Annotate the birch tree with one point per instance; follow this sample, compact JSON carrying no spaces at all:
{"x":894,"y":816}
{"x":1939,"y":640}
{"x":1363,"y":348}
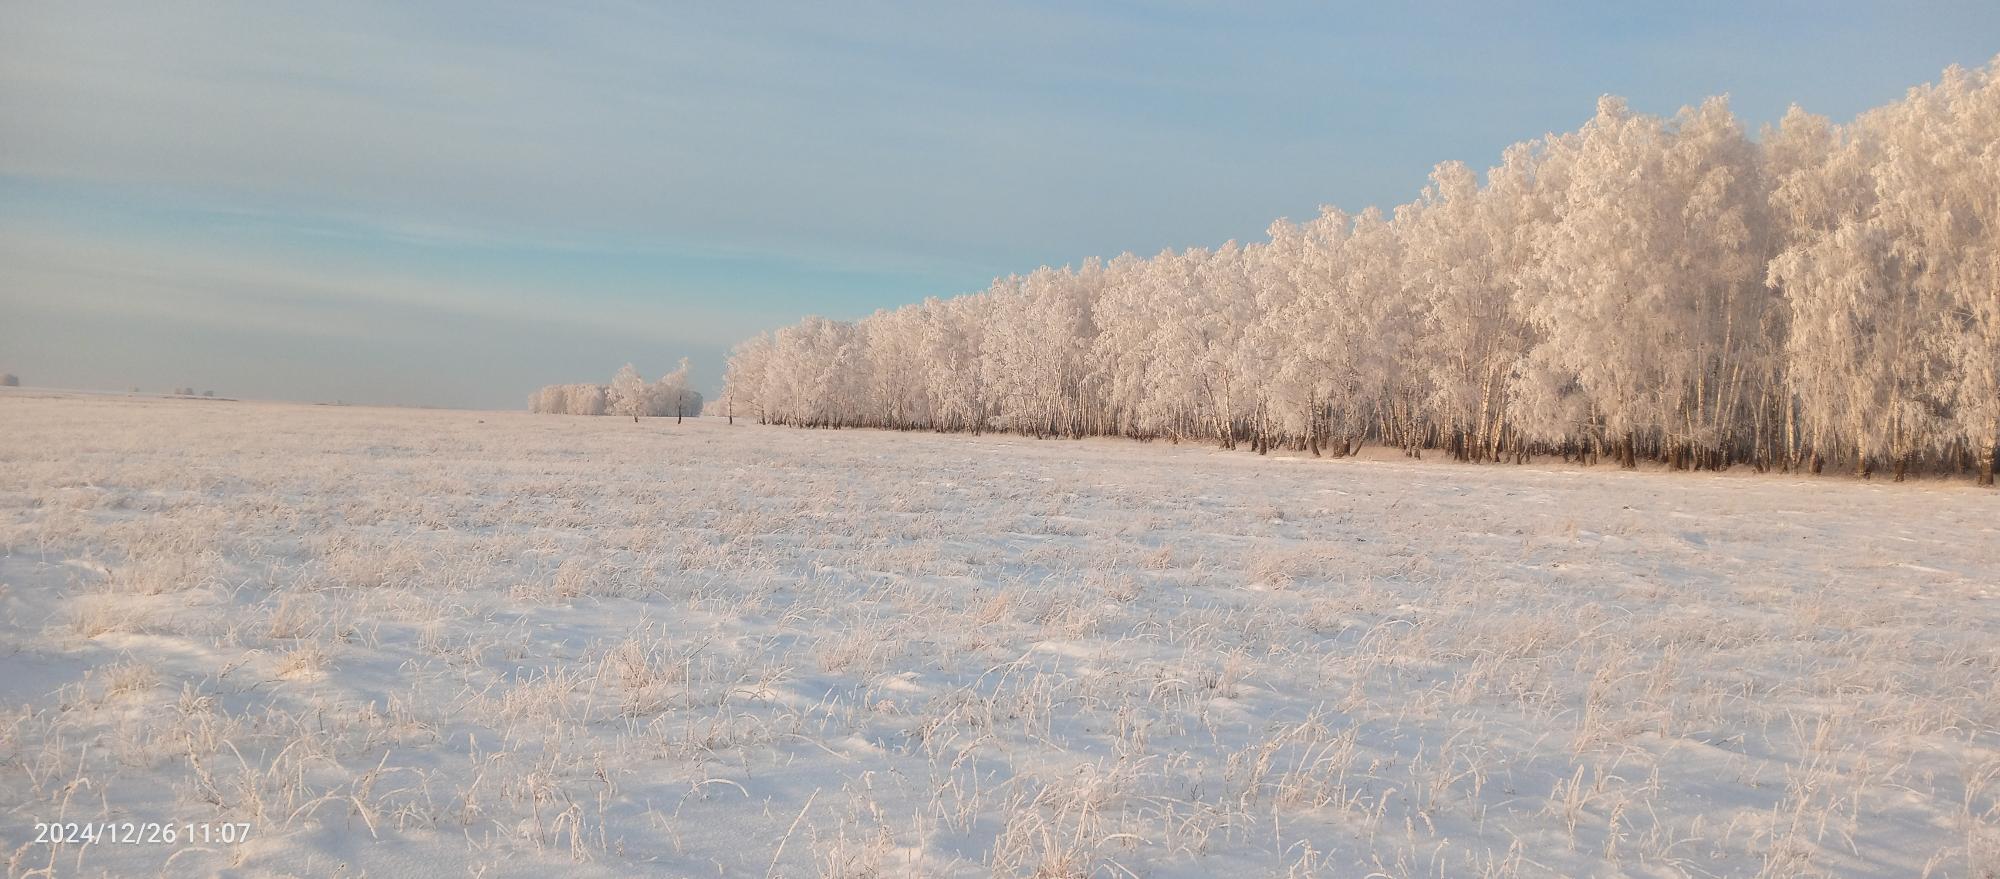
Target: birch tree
{"x":1650,"y":287}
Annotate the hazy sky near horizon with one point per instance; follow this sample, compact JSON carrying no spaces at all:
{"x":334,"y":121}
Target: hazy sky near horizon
{"x":452,"y":203}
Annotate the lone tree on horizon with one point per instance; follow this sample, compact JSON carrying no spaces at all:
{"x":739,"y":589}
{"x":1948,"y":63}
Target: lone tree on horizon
{"x":9,"y":380}
{"x":627,"y":395}
{"x":671,"y":392}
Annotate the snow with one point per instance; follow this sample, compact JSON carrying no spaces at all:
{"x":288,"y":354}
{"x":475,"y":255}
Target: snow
{"x":1644,"y":287}
{"x":407,"y":642}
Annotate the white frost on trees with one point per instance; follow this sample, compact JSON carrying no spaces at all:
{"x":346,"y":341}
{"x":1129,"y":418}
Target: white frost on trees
{"x":1646,"y":287}
{"x":629,"y":395}
{"x":575,"y":399}
{"x":672,"y":396}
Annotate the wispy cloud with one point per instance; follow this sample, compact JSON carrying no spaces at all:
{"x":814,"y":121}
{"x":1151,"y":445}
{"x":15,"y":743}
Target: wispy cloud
{"x":331,"y":169}
{"x":145,"y":281}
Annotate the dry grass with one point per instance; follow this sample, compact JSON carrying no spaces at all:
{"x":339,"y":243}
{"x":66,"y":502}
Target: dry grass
{"x":496,"y":644}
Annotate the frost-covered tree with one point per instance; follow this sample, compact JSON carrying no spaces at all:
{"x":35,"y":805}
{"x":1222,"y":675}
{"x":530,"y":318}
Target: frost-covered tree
{"x":813,"y":378}
{"x":743,"y":380}
{"x":898,"y":390}
{"x":1892,"y":274}
{"x":1377,"y":333}
{"x":1645,"y":290}
{"x":630,"y":394}
{"x":671,"y":395}
{"x":1649,"y":287}
{"x":574,"y":399}
{"x":588,"y":399}
{"x":953,"y":331}
{"x":1034,"y":361}
{"x":1461,"y":263}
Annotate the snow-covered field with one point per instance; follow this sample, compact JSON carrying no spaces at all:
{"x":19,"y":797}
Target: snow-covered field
{"x":495,"y":644}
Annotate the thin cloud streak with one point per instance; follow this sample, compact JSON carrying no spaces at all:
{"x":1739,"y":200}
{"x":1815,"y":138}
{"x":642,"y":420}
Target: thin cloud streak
{"x":716,"y":170}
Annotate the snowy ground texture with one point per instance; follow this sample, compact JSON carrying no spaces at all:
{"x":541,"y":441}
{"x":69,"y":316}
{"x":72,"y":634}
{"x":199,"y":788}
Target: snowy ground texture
{"x":495,"y":644}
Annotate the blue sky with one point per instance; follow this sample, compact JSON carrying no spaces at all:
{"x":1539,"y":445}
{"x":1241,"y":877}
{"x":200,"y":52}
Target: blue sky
{"x":449,"y":204}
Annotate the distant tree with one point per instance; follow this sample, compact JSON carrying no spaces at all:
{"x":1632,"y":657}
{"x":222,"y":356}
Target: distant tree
{"x":718,"y":408}
{"x":586,"y":399}
{"x":578,"y":399}
{"x":9,"y":380}
{"x":743,"y":382}
{"x":628,"y":394}
{"x":669,"y":395}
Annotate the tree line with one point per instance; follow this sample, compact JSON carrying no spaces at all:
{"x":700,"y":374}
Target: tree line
{"x":628,"y":394}
{"x":1643,"y":288}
